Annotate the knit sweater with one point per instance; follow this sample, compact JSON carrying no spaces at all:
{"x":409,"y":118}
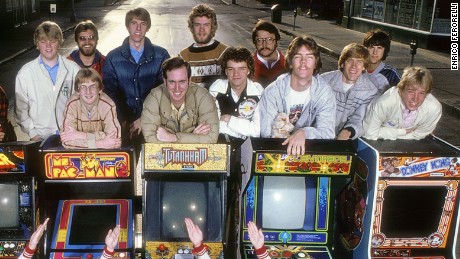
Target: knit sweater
{"x":205,"y":62}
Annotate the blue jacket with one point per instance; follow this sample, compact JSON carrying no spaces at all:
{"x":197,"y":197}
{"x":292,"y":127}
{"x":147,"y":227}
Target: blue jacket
{"x":128,"y":83}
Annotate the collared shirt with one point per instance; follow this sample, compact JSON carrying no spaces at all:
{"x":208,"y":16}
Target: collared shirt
{"x":409,"y":117}
{"x":261,"y":59}
{"x":178,"y":112}
{"x":136,"y":54}
{"x":207,"y":44}
{"x":52,"y":71}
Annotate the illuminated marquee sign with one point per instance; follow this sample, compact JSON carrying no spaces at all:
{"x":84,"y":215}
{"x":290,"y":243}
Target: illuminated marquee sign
{"x":392,"y":166}
{"x":305,"y":164}
{"x":183,"y":157}
{"x":82,"y":165}
{"x":11,"y":161}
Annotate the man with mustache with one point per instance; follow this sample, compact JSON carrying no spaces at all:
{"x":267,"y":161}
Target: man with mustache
{"x":205,"y":55}
{"x":87,"y":56}
{"x":268,"y":59}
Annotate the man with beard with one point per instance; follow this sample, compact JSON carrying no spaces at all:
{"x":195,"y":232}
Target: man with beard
{"x":268,"y":60}
{"x":131,"y":71}
{"x":86,"y":37}
{"x":205,"y":54}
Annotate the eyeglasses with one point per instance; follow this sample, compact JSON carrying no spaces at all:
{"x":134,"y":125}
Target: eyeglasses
{"x":88,"y":87}
{"x":260,"y":41}
{"x":84,"y":38}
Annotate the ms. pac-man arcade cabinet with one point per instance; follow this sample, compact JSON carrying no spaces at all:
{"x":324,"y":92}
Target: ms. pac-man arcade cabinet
{"x":184,"y":181}
{"x":292,"y":198}
{"x":86,"y":193}
{"x":18,"y":208}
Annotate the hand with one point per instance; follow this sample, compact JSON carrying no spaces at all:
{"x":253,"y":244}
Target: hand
{"x":2,"y":135}
{"x":194,"y":233}
{"x":344,"y":135}
{"x":255,"y":235}
{"x":296,"y":143}
{"x":225,"y":117}
{"x":70,"y":133}
{"x":202,"y":128}
{"x":37,"y":137}
{"x":111,"y":240}
{"x":165,"y":135}
{"x":135,"y":128}
{"x":109,"y":141}
{"x":37,"y":235}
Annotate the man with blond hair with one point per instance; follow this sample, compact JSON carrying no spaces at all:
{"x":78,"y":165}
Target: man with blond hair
{"x":44,"y":84}
{"x":408,"y":111}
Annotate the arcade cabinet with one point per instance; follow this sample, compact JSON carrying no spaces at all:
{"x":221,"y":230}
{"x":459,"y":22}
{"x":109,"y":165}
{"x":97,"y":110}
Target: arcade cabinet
{"x":292,"y":198}
{"x":413,"y":210}
{"x":183,"y":181}
{"x":85,"y":193}
{"x":17,"y":196}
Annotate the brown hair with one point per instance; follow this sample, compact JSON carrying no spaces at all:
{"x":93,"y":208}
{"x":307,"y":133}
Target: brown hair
{"x":200,"y":11}
{"x":354,"y":50}
{"x":140,"y":13}
{"x":175,"y":63}
{"x":84,"y":26}
{"x":294,"y":47}
{"x":85,"y":75}
{"x":239,"y":54}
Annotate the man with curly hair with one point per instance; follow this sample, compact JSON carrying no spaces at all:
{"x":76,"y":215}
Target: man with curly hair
{"x":206,"y":53}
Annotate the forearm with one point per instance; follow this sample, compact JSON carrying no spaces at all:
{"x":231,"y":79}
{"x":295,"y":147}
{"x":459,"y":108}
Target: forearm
{"x":245,"y":127}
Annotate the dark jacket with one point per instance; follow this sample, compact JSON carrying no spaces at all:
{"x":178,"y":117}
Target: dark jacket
{"x":128,"y":83}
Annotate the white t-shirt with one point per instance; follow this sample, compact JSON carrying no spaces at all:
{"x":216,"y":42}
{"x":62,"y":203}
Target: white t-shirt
{"x":296,"y":102}
{"x":346,"y":86}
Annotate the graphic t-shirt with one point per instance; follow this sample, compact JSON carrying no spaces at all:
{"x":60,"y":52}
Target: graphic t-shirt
{"x":296,"y":103}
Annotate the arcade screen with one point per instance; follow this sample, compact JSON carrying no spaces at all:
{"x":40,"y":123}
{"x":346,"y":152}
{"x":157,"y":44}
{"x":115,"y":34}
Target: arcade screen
{"x":287,"y":202}
{"x":9,"y":206}
{"x":169,"y":202}
{"x":91,"y":223}
{"x":412,"y":211}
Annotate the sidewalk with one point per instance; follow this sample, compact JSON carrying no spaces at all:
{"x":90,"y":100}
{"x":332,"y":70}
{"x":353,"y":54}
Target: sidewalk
{"x":332,"y":38}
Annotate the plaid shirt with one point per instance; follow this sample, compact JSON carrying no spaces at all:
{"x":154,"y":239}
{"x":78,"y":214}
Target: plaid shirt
{"x":3,"y":106}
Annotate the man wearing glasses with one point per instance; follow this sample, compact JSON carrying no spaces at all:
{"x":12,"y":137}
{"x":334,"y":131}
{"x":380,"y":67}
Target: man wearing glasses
{"x":268,"y":60}
{"x":90,"y":117}
{"x":205,"y":55}
{"x":303,"y":95}
{"x":86,"y":37}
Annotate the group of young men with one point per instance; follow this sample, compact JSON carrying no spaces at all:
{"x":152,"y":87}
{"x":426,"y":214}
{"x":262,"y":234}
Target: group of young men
{"x":138,"y":93}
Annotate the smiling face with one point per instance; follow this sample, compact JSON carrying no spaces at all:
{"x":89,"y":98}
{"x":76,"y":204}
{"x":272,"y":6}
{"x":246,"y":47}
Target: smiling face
{"x":413,"y":96}
{"x":87,"y":43}
{"x":352,"y":70}
{"x":137,"y":29}
{"x":376,"y":54}
{"x":48,"y":49}
{"x":201,"y":30}
{"x":237,"y":74}
{"x":89,"y":92}
{"x":177,"y":83}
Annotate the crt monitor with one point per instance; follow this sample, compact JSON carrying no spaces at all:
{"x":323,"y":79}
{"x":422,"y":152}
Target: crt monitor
{"x":287,"y":202}
{"x":168,"y":202}
{"x":9,"y":205}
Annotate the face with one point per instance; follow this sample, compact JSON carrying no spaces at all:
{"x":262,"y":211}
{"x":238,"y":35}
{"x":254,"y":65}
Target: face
{"x":376,"y":54}
{"x":48,"y":49}
{"x":202,"y":27}
{"x":89,"y":92}
{"x":237,"y":74}
{"x":265,"y":48}
{"x":177,"y":84}
{"x":352,"y":70}
{"x":413,"y":96}
{"x":87,"y":43}
{"x":137,"y":29}
{"x":303,"y":63}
